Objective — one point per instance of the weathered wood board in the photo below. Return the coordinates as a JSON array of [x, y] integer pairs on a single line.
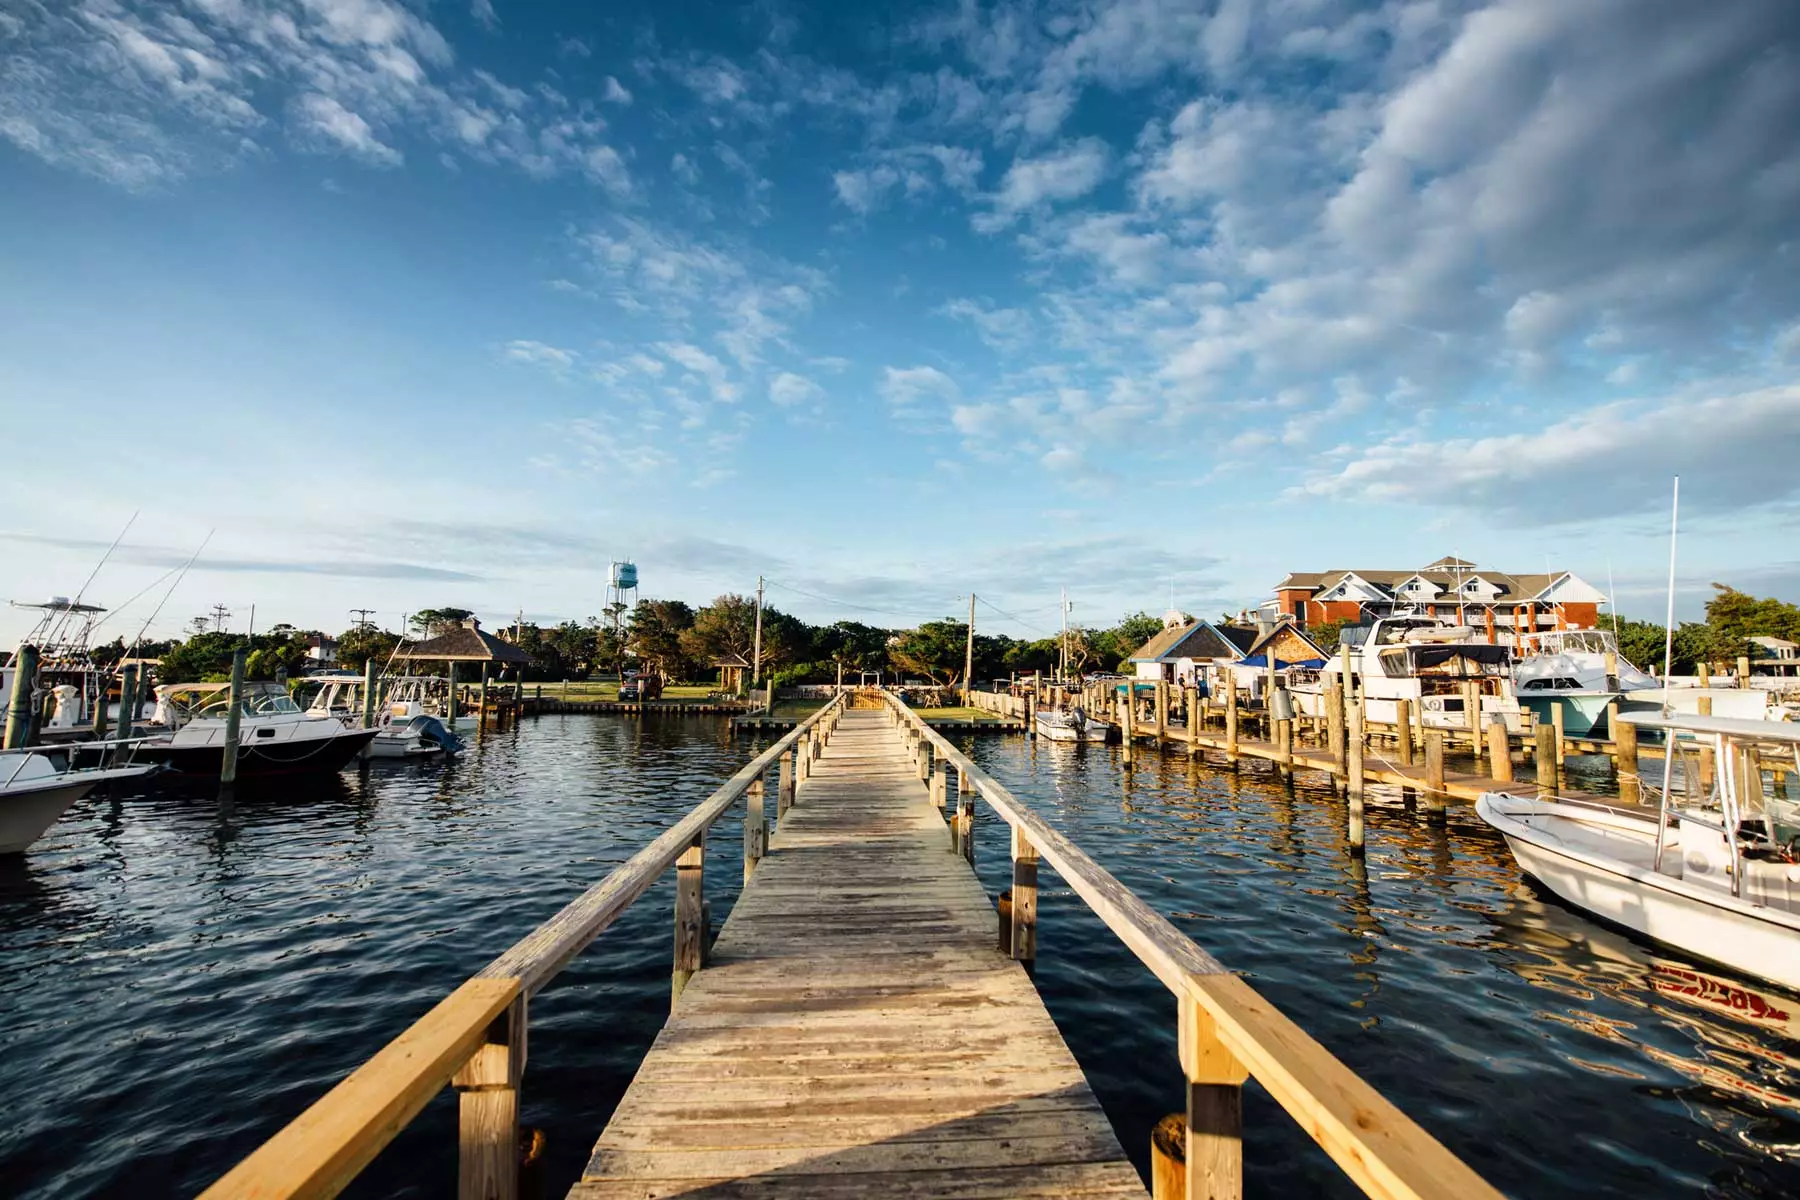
[[857, 1031]]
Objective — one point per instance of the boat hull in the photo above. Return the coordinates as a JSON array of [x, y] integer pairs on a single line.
[[25, 817], [1584, 713], [1751, 939], [1059, 731], [311, 756]]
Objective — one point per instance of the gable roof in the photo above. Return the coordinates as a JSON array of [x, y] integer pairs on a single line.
[[1283, 631], [466, 643], [1515, 589], [1198, 640]]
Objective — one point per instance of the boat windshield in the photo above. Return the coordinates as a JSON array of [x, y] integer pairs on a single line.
[[1571, 641], [252, 706]]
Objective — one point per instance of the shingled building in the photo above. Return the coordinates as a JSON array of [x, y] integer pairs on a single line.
[[1507, 605]]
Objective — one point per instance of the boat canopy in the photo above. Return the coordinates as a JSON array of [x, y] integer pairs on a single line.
[[1742, 728], [1436, 655], [1262, 660]]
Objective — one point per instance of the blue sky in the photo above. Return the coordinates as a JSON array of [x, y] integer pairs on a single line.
[[449, 303]]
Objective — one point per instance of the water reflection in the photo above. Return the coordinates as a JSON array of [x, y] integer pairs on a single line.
[[1555, 1055]]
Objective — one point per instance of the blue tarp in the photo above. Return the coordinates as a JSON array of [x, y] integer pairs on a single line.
[[1262, 660]]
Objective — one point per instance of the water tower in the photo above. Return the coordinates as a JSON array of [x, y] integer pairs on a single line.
[[622, 590]]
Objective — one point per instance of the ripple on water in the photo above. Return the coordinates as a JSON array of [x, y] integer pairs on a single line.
[[179, 977]]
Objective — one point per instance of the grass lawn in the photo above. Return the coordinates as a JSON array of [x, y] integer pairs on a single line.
[[958, 714], [796, 710]]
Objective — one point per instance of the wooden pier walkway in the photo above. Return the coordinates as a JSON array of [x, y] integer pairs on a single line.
[[863, 1024], [856, 1031]]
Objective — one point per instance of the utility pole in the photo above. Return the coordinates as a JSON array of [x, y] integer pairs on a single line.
[[1062, 671], [756, 654], [969, 653], [362, 617], [220, 614]]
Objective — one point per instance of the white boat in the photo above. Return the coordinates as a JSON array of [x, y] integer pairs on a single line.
[[1424, 661], [405, 726], [274, 736], [420, 736], [1577, 670], [1714, 871], [1070, 725], [35, 789]]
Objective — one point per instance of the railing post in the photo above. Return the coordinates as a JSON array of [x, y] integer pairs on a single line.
[[488, 1111], [1024, 897], [1215, 1108], [784, 786], [940, 789], [927, 752], [756, 827], [965, 827], [965, 783], [803, 762], [690, 923]]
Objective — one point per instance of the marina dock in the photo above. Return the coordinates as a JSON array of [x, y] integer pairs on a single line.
[[863, 1024]]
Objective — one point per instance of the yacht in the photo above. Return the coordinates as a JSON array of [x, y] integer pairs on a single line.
[[1422, 660], [1712, 870], [37, 787], [404, 729], [1579, 671], [1069, 725], [275, 737]]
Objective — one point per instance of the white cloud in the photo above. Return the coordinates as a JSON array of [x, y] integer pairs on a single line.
[[862, 191], [788, 390], [540, 354], [334, 125], [1001, 328], [615, 92], [909, 390], [1065, 174], [708, 369], [483, 11], [1730, 450]]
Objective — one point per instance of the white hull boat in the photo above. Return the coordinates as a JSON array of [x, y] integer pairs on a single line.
[[1713, 871], [1072, 726], [1421, 660], [34, 792]]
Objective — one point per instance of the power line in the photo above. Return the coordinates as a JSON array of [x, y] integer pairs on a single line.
[[1019, 620], [886, 612]]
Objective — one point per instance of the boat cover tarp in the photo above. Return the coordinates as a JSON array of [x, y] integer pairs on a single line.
[[1476, 652], [1262, 660]]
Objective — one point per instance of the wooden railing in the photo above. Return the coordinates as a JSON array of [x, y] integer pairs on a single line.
[[476, 1036], [1227, 1032]]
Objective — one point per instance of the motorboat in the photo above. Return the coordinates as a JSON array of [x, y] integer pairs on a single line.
[[37, 788], [414, 737], [275, 737], [1713, 870], [1579, 671], [1431, 664], [1070, 725]]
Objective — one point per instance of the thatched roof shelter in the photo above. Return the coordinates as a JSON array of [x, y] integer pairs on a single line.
[[467, 643]]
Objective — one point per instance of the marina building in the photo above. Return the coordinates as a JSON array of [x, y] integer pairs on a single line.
[[1508, 605]]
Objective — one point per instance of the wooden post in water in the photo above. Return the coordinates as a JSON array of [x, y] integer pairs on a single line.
[[1704, 706], [690, 925], [1024, 897], [1355, 786], [487, 1088], [1284, 747], [450, 703], [1231, 723], [1559, 723], [228, 762], [1743, 670], [1403, 733], [1334, 731], [368, 696], [1125, 716], [1190, 699], [1625, 748], [756, 827], [127, 714], [1435, 795], [1162, 710], [1215, 1108], [1546, 762], [100, 721], [1499, 751], [1418, 716], [18, 707], [481, 703]]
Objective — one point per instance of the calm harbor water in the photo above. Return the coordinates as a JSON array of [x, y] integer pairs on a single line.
[[178, 976]]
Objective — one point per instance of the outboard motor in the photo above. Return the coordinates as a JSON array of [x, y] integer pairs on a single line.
[[433, 730]]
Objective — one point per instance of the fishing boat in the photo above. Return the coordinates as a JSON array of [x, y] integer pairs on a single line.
[[1577, 670], [37, 788], [1431, 664], [275, 737], [1070, 725], [1713, 871]]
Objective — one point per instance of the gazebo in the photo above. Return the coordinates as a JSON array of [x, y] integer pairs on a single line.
[[466, 643], [731, 672]]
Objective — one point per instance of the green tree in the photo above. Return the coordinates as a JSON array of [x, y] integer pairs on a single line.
[[206, 657], [1738, 616], [1114, 646], [357, 645], [934, 650], [1328, 633], [655, 637], [855, 646], [431, 622]]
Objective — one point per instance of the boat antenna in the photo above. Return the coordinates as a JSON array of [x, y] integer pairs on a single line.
[[139, 639], [88, 582], [1669, 620], [1612, 599]]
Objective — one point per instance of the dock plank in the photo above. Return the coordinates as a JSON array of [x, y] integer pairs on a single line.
[[857, 1032]]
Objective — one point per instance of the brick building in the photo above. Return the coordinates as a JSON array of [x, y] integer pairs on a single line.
[[1504, 604]]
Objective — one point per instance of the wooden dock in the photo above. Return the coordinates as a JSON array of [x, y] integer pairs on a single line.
[[863, 1024], [856, 1031]]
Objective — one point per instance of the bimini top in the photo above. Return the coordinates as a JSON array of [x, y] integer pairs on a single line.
[[1733, 727]]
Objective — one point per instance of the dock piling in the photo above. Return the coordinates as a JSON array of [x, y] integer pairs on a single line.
[[18, 708], [228, 762], [1435, 795], [1499, 752], [1403, 733], [1546, 762], [1559, 723], [1625, 745]]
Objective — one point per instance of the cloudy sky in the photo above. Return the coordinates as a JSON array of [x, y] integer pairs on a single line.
[[422, 303]]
